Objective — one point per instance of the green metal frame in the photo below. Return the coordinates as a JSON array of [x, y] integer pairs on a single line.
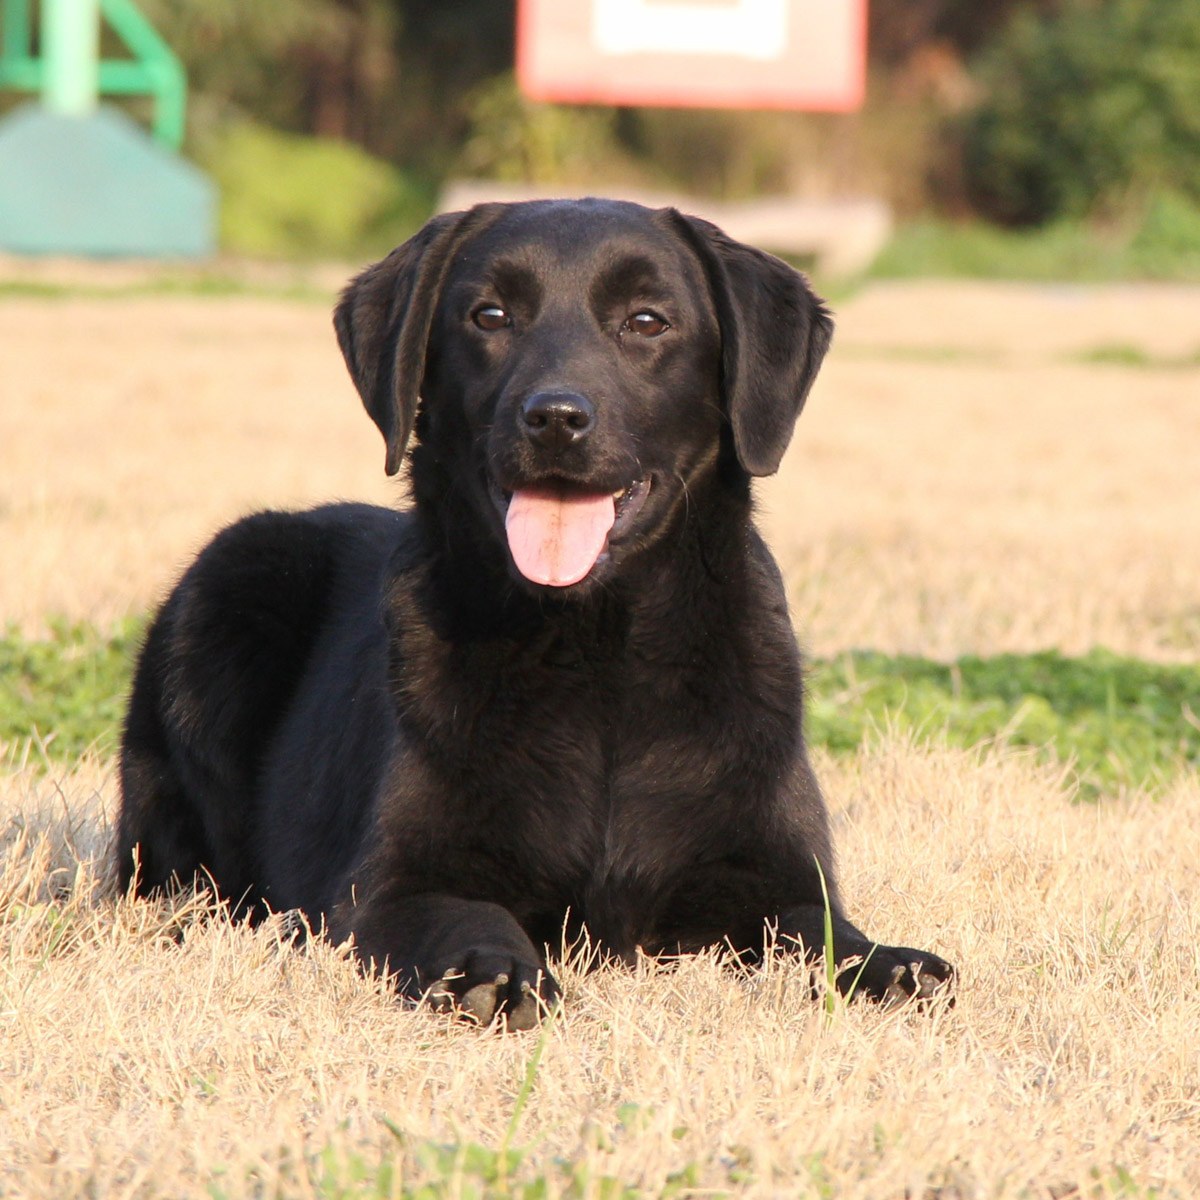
[[18, 68], [153, 70]]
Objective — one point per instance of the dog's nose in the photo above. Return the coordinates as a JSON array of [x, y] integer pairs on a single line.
[[557, 420]]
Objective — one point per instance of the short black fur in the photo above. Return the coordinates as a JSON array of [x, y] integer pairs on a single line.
[[374, 717]]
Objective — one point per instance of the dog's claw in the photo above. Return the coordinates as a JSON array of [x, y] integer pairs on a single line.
[[927, 983], [524, 1015], [896, 992], [480, 1002], [440, 998], [915, 982]]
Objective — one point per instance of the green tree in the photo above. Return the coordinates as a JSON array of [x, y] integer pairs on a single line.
[[1088, 112], [312, 66]]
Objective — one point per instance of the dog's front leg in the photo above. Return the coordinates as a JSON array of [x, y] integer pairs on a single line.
[[470, 956], [890, 974]]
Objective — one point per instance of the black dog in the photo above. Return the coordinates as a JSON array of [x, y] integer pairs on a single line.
[[561, 693]]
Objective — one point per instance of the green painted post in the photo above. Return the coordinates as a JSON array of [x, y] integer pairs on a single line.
[[71, 50], [16, 28], [162, 72], [18, 68]]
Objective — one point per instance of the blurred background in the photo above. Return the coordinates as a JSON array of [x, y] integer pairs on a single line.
[[1022, 138], [986, 526], [1000, 200]]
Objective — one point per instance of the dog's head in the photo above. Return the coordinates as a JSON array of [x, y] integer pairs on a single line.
[[576, 367]]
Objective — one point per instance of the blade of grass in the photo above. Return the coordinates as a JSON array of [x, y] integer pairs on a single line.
[[829, 963]]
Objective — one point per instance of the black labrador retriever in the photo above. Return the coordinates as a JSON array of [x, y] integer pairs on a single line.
[[563, 692]]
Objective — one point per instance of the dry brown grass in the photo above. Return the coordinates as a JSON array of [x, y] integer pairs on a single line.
[[958, 508], [132, 1065], [937, 504], [933, 500]]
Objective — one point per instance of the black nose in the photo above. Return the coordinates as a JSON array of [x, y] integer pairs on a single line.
[[557, 420]]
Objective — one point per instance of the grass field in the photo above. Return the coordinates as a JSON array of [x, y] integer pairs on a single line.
[[983, 470]]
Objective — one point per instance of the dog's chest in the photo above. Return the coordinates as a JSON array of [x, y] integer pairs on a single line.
[[594, 772], [589, 772]]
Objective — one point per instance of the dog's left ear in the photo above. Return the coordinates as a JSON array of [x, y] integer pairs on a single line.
[[774, 334], [383, 321]]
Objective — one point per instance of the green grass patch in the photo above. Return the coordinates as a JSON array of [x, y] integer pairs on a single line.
[[1122, 722], [974, 250], [1125, 354], [427, 1170], [65, 695], [204, 284], [1062, 252], [29, 289]]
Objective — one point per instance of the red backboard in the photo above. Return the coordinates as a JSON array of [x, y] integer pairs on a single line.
[[805, 54]]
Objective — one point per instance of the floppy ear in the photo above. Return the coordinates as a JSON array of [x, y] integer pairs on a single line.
[[774, 334], [383, 321]]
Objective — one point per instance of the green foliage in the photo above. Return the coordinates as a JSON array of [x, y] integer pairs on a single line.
[[1167, 243], [1088, 108], [1065, 250], [1124, 723], [289, 196], [730, 154], [519, 140], [294, 64]]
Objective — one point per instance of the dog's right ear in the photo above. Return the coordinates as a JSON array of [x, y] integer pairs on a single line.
[[774, 334], [383, 321]]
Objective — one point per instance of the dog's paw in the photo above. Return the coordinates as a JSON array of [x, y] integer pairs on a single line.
[[895, 975], [486, 984]]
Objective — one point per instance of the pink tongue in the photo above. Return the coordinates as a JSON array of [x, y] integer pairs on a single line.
[[556, 536]]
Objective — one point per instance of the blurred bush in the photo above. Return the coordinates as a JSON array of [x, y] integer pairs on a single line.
[[1167, 242], [519, 140], [290, 196], [1091, 111], [724, 154], [327, 67]]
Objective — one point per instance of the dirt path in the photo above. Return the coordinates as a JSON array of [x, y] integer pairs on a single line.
[[961, 481]]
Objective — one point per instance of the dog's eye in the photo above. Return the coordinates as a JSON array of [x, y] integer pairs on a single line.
[[645, 324], [491, 317]]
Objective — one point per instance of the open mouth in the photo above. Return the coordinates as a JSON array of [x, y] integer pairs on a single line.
[[628, 503], [557, 531]]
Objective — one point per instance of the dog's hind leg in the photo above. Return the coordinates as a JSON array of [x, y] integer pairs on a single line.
[[219, 668], [160, 836], [187, 805]]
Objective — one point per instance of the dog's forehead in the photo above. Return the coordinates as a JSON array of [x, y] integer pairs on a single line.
[[573, 235]]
